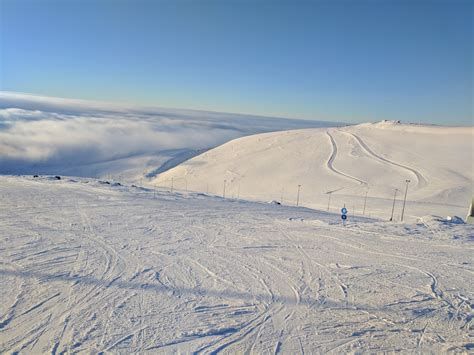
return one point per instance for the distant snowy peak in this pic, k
(412, 127)
(382, 124)
(388, 123)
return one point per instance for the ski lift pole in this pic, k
(393, 205)
(405, 199)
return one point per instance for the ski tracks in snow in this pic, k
(218, 276)
(330, 164)
(421, 181)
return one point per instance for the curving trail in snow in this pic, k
(421, 181)
(330, 164)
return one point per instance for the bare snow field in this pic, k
(341, 166)
(91, 267)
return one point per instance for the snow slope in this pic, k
(45, 135)
(90, 267)
(342, 164)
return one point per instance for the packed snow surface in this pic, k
(87, 266)
(342, 166)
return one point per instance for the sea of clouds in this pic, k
(37, 133)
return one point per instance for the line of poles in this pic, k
(298, 195)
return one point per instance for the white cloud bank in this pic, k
(43, 137)
(37, 133)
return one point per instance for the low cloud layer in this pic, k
(36, 133)
(35, 136)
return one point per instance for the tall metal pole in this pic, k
(223, 193)
(405, 199)
(298, 196)
(470, 214)
(393, 205)
(365, 201)
(329, 200)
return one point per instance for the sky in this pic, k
(351, 61)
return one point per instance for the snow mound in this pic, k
(440, 220)
(333, 167)
(273, 202)
(454, 220)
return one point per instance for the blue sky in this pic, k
(351, 61)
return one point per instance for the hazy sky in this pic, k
(349, 61)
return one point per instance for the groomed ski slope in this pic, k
(91, 267)
(337, 166)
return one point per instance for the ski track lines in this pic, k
(437, 293)
(274, 314)
(330, 164)
(193, 276)
(421, 181)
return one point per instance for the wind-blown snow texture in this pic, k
(40, 135)
(338, 166)
(86, 266)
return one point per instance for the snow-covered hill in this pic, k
(45, 135)
(89, 267)
(338, 166)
